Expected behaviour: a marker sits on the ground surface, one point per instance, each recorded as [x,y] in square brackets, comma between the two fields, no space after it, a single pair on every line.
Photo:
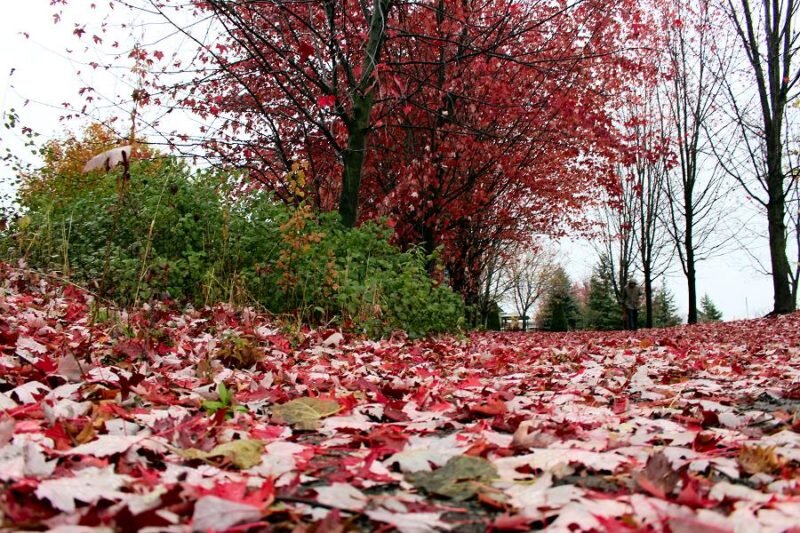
[122,423]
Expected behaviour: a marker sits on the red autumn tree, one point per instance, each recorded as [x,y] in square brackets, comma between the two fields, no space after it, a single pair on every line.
[507,127]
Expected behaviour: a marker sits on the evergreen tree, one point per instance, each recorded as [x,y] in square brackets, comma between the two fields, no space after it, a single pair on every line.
[665,312]
[709,311]
[560,309]
[601,311]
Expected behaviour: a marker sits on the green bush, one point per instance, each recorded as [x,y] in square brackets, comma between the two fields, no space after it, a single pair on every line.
[169,233]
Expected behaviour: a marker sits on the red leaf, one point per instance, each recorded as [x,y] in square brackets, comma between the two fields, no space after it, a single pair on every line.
[305,51]
[326,101]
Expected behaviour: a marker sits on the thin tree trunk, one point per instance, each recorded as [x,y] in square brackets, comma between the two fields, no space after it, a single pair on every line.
[353,160]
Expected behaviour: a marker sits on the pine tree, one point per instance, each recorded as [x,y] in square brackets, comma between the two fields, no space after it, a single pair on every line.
[709,311]
[601,312]
[665,312]
[560,309]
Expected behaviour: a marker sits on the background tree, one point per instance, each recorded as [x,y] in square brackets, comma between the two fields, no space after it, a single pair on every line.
[696,189]
[618,250]
[645,174]
[601,310]
[768,35]
[665,312]
[529,274]
[708,311]
[560,311]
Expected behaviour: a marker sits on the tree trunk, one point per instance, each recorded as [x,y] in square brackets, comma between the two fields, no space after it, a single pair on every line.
[691,279]
[781,271]
[648,295]
[358,124]
[353,161]
[691,272]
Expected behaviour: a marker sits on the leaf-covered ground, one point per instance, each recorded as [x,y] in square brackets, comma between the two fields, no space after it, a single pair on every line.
[164,420]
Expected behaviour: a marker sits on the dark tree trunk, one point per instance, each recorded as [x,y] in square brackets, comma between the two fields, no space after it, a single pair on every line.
[353,161]
[358,124]
[648,295]
[781,270]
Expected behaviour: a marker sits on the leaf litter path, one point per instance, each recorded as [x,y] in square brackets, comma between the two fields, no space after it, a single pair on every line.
[215,420]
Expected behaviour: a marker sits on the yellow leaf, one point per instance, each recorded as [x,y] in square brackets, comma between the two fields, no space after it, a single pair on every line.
[305,413]
[243,454]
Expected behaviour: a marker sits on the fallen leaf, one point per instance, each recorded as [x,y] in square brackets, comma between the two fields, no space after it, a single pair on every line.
[658,477]
[216,514]
[342,496]
[88,486]
[305,413]
[242,454]
[410,522]
[459,479]
[757,459]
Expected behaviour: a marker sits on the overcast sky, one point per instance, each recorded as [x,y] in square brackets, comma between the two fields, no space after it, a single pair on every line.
[45,74]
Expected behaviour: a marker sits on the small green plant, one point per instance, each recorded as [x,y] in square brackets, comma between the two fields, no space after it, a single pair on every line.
[235,351]
[225,402]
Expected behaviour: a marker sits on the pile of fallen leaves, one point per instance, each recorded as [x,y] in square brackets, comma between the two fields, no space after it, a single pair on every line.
[207,420]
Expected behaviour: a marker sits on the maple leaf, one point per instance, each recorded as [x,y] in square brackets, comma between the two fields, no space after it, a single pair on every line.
[305,51]
[29,349]
[410,522]
[755,459]
[459,479]
[216,514]
[342,496]
[658,477]
[242,454]
[88,486]
[326,101]
[305,413]
[422,452]
[17,462]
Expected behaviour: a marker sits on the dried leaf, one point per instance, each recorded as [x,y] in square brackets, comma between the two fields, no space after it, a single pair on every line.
[242,454]
[460,479]
[757,459]
[658,478]
[305,413]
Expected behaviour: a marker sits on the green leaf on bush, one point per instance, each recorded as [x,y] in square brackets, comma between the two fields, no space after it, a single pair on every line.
[243,454]
[305,413]
[460,479]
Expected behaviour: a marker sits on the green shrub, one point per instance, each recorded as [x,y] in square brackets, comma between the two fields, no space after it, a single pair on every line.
[169,233]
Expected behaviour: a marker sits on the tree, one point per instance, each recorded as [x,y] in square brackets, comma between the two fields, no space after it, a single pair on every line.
[665,312]
[601,309]
[767,32]
[708,311]
[696,191]
[528,274]
[560,309]
[644,236]
[618,251]
[305,72]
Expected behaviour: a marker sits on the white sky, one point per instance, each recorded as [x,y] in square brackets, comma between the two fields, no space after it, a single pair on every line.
[44,74]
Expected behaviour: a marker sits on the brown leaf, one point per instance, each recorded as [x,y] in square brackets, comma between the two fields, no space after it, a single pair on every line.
[756,459]
[658,477]
[525,439]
